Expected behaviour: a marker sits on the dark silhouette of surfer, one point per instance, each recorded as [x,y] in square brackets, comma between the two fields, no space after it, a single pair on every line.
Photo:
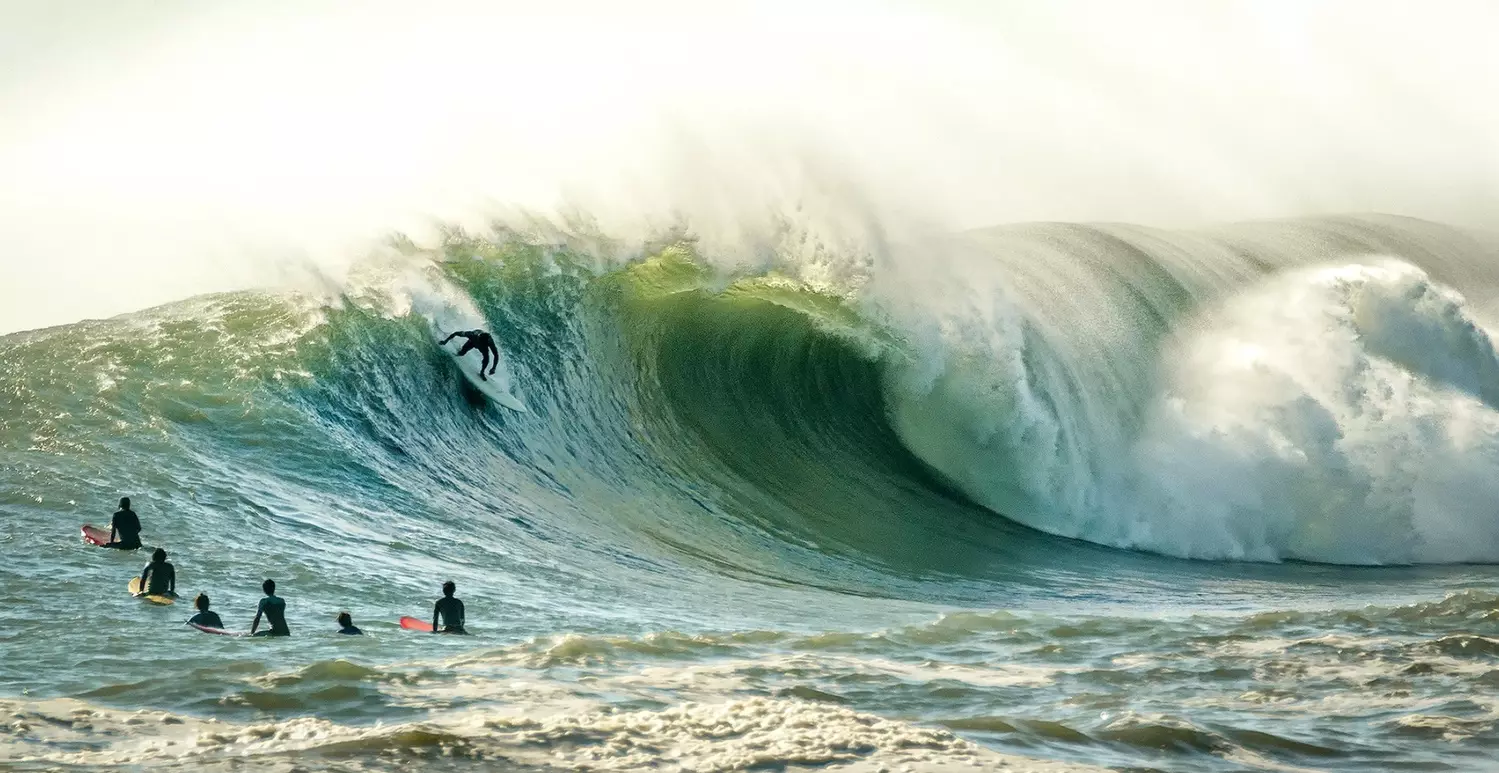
[484,342]
[124,528]
[274,610]
[159,578]
[346,625]
[205,617]
[449,610]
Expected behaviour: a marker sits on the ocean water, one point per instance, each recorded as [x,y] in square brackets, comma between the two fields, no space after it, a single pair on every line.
[1052,496]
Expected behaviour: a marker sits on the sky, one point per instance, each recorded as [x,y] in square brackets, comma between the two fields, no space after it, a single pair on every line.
[152,150]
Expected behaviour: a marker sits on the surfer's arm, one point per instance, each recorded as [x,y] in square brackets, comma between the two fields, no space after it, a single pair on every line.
[171,579]
[436,611]
[255,623]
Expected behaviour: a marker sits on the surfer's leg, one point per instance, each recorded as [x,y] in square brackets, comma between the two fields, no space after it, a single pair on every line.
[484,363]
[496,364]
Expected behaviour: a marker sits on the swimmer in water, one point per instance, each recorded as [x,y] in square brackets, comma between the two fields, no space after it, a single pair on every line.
[346,625]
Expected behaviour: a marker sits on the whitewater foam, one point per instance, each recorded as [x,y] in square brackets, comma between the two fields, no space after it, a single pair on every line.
[741,735]
[1134,395]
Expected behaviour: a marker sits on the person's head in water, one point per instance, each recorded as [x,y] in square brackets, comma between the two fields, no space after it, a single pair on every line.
[159,556]
[201,602]
[448,588]
[124,503]
[269,586]
[345,620]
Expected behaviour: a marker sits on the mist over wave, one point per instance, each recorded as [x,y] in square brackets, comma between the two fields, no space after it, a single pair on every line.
[204,162]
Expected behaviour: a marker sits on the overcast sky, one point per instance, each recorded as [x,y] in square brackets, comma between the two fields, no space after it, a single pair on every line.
[152,149]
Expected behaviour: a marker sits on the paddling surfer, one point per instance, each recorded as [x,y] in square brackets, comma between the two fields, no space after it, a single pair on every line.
[449,610]
[484,342]
[124,528]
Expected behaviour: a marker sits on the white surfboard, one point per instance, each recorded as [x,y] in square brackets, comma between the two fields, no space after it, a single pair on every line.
[496,387]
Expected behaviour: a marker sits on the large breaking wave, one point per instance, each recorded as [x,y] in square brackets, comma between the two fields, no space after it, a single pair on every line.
[1312,390]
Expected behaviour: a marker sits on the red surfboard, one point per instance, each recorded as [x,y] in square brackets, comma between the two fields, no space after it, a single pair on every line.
[94,535]
[413,624]
[217,631]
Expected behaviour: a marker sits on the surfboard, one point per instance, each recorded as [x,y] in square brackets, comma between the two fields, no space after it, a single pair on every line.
[217,631]
[135,589]
[496,387]
[94,535]
[413,624]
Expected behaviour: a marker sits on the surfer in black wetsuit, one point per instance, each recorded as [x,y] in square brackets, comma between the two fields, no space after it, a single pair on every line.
[273,608]
[124,528]
[204,617]
[346,625]
[449,610]
[159,578]
[484,342]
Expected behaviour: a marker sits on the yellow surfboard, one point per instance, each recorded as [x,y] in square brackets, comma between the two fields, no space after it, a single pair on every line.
[135,589]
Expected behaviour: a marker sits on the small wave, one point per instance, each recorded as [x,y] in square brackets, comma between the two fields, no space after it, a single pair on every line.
[1467,646]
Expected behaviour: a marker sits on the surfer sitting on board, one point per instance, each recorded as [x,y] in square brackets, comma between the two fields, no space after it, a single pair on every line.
[124,528]
[159,578]
[449,609]
[204,617]
[274,609]
[484,342]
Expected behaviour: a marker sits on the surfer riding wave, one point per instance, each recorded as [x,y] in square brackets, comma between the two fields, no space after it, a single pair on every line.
[484,342]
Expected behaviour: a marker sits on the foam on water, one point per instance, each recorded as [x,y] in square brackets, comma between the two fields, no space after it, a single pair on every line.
[1341,412]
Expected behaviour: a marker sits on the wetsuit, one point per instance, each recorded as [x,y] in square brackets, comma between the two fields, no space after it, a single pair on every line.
[274,609]
[450,610]
[208,619]
[351,631]
[484,342]
[159,579]
[127,530]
